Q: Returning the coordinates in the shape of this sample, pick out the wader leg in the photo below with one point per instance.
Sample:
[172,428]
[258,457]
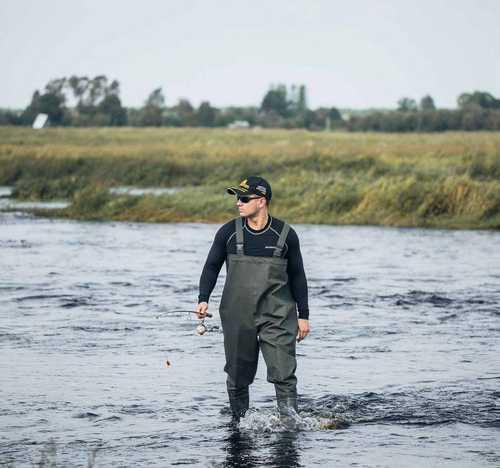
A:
[242,355]
[238,399]
[278,348]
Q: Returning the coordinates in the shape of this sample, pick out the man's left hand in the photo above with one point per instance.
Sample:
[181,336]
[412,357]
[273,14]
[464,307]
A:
[303,329]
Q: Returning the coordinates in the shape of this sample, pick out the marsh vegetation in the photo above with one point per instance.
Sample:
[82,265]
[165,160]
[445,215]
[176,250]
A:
[435,180]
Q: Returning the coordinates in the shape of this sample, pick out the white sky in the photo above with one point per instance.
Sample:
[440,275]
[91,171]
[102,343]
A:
[356,53]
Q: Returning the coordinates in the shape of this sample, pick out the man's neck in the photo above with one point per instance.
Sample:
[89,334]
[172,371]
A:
[258,221]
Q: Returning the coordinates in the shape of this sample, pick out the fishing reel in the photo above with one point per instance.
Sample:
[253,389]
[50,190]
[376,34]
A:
[201,329]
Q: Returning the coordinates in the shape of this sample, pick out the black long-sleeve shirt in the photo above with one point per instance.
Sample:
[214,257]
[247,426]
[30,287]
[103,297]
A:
[259,243]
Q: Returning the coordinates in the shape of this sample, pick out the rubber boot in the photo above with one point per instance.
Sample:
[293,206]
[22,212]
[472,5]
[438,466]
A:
[238,400]
[287,407]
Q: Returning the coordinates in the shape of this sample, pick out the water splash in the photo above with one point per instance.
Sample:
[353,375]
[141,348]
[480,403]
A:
[265,421]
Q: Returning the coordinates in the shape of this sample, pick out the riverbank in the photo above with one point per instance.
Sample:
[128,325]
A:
[449,180]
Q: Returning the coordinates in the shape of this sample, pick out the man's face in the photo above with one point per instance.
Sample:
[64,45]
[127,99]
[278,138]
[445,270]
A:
[252,207]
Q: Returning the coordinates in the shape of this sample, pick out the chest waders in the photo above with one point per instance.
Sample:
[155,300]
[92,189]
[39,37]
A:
[258,311]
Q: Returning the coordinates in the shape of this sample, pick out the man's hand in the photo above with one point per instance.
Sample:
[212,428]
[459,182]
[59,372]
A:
[303,329]
[201,310]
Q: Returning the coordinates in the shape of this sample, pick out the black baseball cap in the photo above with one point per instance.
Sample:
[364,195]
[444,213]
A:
[253,185]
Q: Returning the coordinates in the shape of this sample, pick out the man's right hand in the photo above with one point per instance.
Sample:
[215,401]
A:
[201,310]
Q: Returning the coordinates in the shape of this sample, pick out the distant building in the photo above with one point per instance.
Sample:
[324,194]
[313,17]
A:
[239,124]
[41,120]
[346,115]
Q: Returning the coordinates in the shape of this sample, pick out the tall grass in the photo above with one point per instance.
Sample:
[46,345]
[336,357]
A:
[445,180]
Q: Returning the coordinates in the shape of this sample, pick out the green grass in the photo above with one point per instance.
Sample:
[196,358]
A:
[432,180]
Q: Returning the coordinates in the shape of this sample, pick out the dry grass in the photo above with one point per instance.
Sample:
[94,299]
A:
[442,180]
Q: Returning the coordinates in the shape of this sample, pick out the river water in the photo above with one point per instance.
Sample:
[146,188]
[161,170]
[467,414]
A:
[401,367]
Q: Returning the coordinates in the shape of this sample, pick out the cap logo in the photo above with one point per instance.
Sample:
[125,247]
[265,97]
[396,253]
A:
[262,189]
[244,184]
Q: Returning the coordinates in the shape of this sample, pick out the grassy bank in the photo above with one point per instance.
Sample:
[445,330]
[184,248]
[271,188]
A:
[435,180]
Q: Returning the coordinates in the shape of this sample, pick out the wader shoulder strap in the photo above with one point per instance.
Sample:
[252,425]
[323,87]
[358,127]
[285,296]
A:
[281,241]
[239,236]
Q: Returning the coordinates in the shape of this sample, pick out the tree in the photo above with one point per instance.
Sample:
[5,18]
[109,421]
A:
[97,90]
[302,100]
[334,114]
[317,119]
[276,101]
[297,100]
[474,119]
[478,99]
[113,89]
[8,117]
[152,112]
[406,104]
[427,104]
[79,86]
[111,107]
[50,103]
[185,113]
[56,87]
[97,101]
[156,99]
[206,115]
[33,109]
[53,105]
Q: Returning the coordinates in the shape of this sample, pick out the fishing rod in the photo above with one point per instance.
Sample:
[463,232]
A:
[201,329]
[179,311]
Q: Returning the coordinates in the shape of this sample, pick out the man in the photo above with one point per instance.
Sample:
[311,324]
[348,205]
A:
[265,285]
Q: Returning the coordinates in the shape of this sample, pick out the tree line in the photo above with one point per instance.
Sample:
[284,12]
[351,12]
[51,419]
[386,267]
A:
[80,101]
[476,111]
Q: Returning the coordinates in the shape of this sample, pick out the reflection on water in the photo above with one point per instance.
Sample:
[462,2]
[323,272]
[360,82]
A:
[400,369]
[8,204]
[278,450]
[5,191]
[12,205]
[139,191]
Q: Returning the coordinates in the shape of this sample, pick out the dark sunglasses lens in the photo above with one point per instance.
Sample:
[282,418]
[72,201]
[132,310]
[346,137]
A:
[244,199]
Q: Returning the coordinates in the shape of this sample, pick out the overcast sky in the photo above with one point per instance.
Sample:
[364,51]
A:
[357,53]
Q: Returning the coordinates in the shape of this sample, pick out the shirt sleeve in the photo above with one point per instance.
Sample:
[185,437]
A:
[297,275]
[213,264]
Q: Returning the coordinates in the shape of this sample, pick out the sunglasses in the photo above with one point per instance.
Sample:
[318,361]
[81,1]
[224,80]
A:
[245,198]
